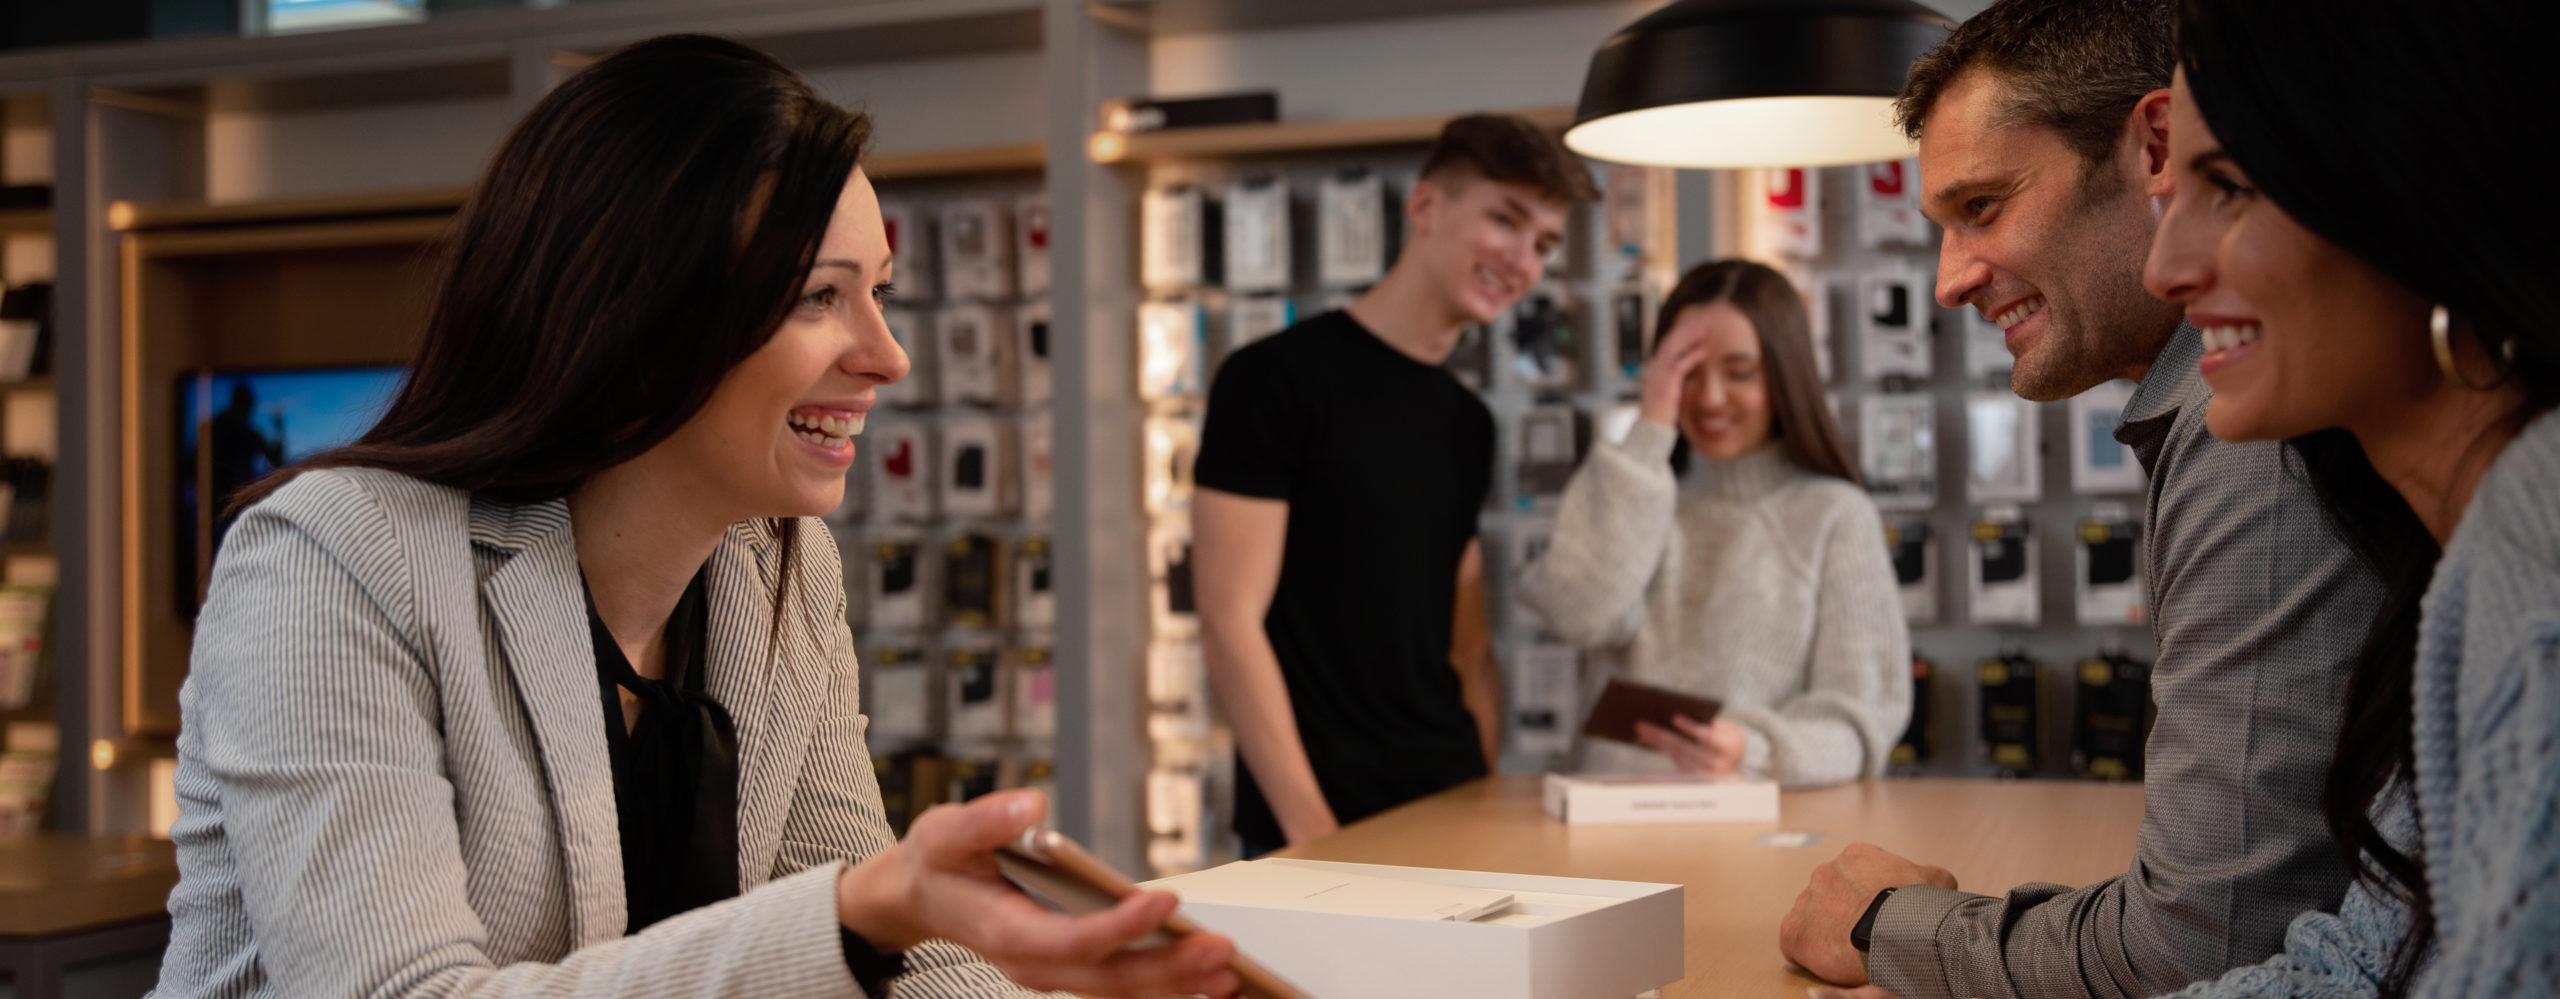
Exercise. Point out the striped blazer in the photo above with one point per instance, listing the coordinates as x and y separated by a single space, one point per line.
393 781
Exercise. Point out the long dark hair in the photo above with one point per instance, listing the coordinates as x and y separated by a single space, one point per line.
1799 412
2391 130
644 229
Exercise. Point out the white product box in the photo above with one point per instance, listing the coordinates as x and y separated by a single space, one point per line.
902 479
1252 317
902 582
2000 573
1915 570
1552 439
910 232
1893 324
915 335
1898 449
1560 937
1257 231
1177 808
1986 349
1351 229
1791 212
1545 693
898 696
2107 564
1031 352
1889 206
1170 342
1033 677
977 467
1039 492
2003 448
1174 223
1177 691
973 347
1031 243
1530 538
1035 602
2100 463
975 691
977 250
1172 445
1625 799
1546 340
1169 575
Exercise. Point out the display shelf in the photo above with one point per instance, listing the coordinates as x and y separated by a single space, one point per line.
22 220
1280 138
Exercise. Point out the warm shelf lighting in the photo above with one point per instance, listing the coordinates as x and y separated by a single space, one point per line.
120 215
1749 83
102 755
1107 146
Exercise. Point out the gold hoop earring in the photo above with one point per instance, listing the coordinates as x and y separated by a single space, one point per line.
2440 331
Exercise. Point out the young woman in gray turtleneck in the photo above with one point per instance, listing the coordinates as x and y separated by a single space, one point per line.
1757 576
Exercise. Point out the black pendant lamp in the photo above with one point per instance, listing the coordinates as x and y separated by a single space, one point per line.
1747 83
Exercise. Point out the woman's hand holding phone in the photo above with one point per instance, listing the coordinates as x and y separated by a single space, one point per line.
1712 748
942 882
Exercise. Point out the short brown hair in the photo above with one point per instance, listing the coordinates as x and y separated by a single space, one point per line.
2075 66
1512 150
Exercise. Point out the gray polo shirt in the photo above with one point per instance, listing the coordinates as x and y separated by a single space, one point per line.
2259 610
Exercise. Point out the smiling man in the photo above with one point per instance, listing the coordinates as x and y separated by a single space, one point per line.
2042 130
1341 471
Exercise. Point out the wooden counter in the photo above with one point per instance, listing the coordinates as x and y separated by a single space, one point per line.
51 885
1991 834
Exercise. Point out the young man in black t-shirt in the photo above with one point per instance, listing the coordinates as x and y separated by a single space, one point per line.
1339 580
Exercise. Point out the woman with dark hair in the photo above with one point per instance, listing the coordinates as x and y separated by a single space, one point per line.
2342 232
1756 576
544 685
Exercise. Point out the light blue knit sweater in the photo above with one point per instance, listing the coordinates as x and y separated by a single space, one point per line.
2487 785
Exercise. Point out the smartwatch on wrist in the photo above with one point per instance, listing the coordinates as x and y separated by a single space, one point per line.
1863 934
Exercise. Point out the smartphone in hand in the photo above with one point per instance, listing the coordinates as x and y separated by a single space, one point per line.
1063 875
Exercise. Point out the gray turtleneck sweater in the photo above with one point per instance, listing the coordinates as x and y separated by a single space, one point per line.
1752 581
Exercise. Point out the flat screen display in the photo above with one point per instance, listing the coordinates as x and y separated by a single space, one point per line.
236 426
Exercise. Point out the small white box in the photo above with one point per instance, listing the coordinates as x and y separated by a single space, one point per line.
1170 342
973 348
1038 476
910 232
977 467
1561 937
1175 226
1351 229
977 250
1031 352
1257 231
1031 243
1584 799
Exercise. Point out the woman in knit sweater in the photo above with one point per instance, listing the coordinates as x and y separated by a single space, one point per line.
2405 345
1726 548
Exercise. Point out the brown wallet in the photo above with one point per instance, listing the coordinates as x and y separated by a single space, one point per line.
1625 702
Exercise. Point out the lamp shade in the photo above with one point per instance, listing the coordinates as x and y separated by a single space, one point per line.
1745 83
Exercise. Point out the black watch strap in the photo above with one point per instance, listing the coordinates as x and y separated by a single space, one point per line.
1863 935
871 969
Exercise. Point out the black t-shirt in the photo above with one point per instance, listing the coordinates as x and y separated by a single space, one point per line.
1385 462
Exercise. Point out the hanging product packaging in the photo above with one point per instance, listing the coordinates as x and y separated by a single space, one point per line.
2100 464
1898 449
1179 229
974 686
1791 212
2111 718
2001 575
973 348
909 229
1035 605
1546 341
1889 206
1257 233
1893 324
977 467
977 250
2109 571
2012 713
1915 570
1545 691
1031 353
1039 493
903 477
915 334
1031 243
1351 229
1252 317
1171 340
901 577
2003 449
